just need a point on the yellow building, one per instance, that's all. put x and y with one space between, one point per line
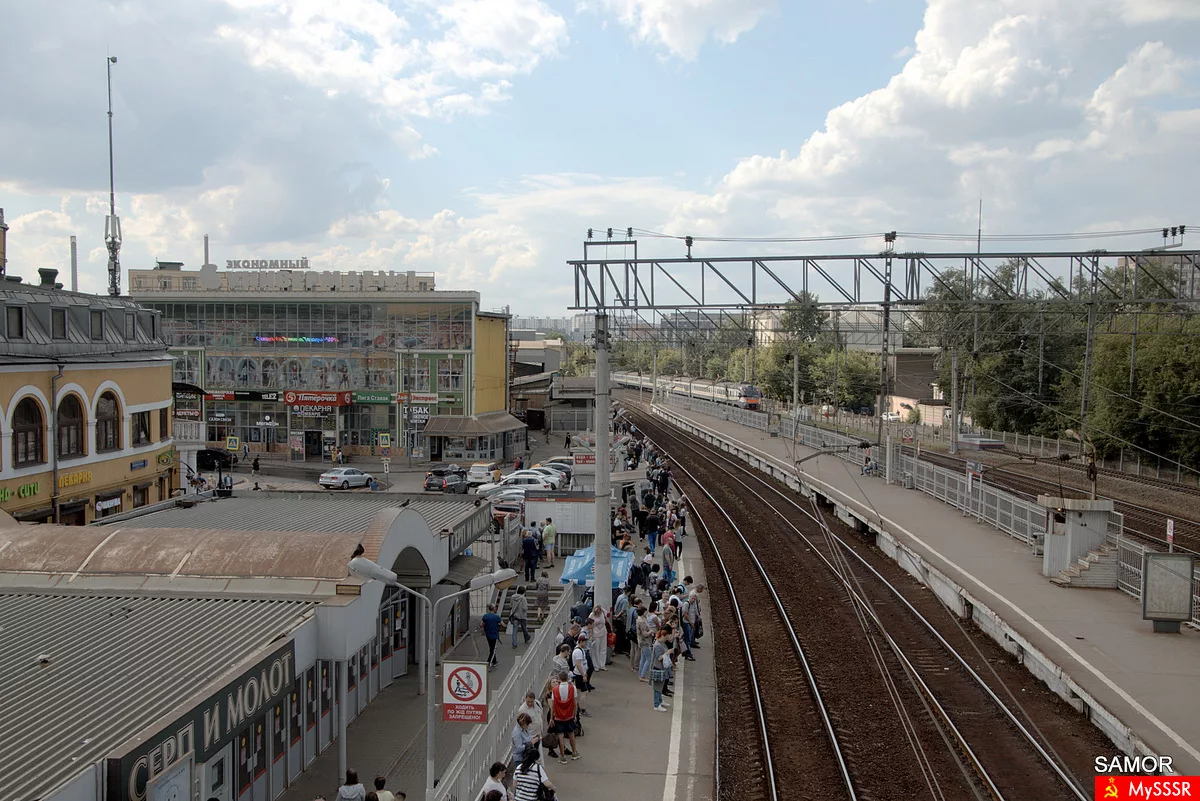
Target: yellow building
85 405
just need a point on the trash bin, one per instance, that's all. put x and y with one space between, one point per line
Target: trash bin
908 481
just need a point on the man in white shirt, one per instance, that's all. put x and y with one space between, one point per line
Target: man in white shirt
495 781
579 670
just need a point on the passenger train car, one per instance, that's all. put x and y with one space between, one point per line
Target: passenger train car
743 396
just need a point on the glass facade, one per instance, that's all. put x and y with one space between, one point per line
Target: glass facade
263 349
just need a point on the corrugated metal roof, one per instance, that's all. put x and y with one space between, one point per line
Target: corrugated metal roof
458 425
303 511
117 664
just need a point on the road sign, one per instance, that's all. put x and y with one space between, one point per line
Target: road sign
1170 533
907 434
976 468
464 692
385 442
386 453
232 443
387 465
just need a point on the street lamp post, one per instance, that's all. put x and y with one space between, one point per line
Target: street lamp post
368 569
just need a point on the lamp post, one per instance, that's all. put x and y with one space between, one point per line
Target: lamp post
364 567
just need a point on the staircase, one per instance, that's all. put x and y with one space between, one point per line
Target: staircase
532 622
1096 569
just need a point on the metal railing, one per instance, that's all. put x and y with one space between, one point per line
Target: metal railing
1019 518
491 742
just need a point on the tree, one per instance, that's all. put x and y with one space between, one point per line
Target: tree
857 374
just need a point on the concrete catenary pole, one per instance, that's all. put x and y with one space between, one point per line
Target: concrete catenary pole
603 469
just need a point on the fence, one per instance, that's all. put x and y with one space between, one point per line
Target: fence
491 742
1131 462
570 420
1015 516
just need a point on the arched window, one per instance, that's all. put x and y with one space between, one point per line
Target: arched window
108 423
70 427
28 431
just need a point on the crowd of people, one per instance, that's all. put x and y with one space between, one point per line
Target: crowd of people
656 620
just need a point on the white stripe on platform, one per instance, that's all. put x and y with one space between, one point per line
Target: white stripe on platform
672 779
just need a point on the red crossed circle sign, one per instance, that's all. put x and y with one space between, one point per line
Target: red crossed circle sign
464 684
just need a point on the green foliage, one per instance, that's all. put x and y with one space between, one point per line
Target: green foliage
857 374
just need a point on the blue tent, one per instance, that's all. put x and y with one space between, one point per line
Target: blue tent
580 567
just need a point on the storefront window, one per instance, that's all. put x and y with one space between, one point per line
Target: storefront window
450 375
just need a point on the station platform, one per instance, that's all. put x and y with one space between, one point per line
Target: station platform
628 749
1090 645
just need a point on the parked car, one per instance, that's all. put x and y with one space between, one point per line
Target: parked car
345 478
208 459
480 473
555 478
449 482
890 417
533 481
566 468
442 468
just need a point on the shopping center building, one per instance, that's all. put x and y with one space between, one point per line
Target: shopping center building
299 362
85 398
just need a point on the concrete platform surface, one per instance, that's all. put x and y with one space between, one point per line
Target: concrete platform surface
628 751
1097 637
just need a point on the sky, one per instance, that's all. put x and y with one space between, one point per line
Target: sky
480 139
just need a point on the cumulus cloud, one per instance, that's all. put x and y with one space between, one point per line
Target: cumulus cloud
681 27
1063 114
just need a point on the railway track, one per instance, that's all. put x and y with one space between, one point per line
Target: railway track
1141 522
911 716
1120 475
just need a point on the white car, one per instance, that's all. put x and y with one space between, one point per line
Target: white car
555 478
344 478
480 473
533 481
890 417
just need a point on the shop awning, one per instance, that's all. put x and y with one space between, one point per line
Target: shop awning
447 425
462 569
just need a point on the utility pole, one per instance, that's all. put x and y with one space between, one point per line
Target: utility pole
1041 348
837 342
1134 337
1089 348
885 312
653 373
795 372
603 544
954 400
112 223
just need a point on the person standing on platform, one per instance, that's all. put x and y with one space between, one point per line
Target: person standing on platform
529 553
380 793
518 615
668 558
598 638
620 614
653 521
523 735
495 781
353 789
490 623
579 672
660 663
549 534
565 705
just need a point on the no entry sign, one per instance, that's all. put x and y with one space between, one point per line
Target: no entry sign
464 692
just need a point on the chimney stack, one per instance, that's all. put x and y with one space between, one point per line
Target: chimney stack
48 275
74 266
3 244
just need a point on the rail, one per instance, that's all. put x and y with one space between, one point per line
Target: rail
490 742
1004 511
860 599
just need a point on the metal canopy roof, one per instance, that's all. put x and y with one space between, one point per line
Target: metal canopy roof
481 425
463 568
323 511
57 719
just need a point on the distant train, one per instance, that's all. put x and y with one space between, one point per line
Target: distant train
743 396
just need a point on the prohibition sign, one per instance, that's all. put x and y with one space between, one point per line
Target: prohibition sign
464 684
464 692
